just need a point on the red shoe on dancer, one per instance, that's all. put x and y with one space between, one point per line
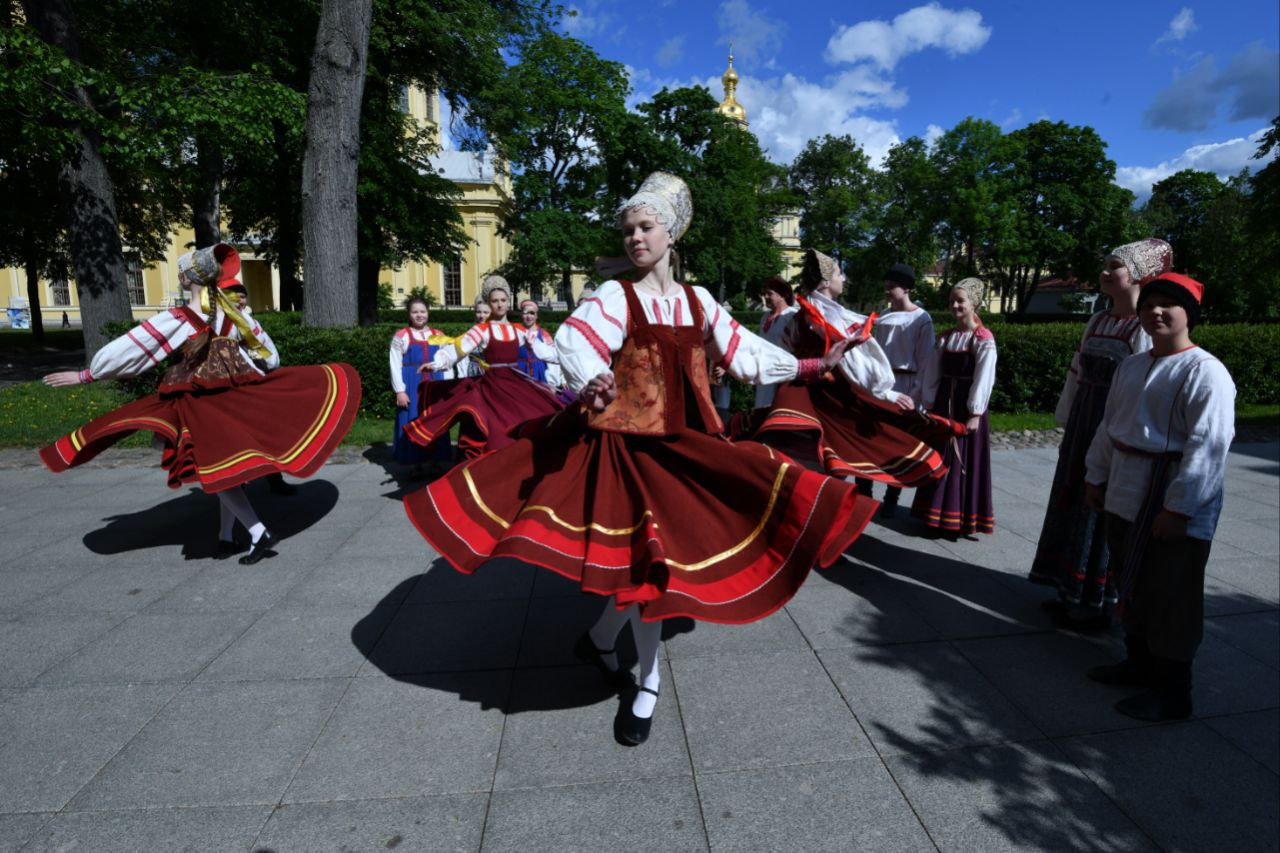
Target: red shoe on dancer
633 493
854 423
223 418
488 407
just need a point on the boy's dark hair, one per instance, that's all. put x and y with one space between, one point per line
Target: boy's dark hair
408 303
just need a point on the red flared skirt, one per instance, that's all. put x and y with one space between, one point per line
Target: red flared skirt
858 435
289 421
489 407
684 525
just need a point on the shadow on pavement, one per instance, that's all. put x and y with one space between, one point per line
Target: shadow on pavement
432 628
1007 656
397 475
173 522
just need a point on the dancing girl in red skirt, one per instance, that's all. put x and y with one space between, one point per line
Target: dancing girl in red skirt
633 493
222 417
490 406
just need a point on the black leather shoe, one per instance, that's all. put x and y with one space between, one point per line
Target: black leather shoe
1156 706
585 650
1123 674
227 549
279 487
630 729
259 549
888 509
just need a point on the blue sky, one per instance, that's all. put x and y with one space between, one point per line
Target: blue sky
1168 85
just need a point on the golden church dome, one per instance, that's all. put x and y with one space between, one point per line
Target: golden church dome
729 107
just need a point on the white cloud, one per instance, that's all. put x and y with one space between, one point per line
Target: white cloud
1012 120
588 19
932 134
672 51
1182 25
885 43
755 36
1224 159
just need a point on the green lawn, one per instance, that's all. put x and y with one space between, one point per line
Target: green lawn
59 340
32 415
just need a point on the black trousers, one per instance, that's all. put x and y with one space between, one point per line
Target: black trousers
1166 606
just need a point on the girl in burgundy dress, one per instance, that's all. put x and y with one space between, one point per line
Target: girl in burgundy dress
222 417
958 382
633 493
489 406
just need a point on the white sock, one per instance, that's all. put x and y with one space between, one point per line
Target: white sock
226 523
648 636
256 531
237 503
604 634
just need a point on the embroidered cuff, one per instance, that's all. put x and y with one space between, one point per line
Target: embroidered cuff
85 376
808 369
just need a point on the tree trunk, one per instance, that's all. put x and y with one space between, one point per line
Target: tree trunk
88 197
287 238
1024 296
566 288
33 298
205 204
332 160
368 291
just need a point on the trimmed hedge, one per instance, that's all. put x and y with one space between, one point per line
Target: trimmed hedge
1033 358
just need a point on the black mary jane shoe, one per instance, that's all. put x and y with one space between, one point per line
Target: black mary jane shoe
227 549
585 650
1156 706
629 729
259 549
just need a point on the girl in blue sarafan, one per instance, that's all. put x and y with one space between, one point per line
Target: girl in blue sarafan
412 347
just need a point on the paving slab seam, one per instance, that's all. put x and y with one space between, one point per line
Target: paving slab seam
1237 748
502 732
688 751
863 729
34 682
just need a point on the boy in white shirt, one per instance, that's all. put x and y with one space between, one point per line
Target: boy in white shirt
1156 467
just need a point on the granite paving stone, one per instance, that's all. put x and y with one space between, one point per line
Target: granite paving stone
34 642
216 744
836 806
66 736
763 710
153 647
1024 796
1256 734
353 691
194 829
559 731
295 643
402 739
1186 790
923 696
646 814
440 823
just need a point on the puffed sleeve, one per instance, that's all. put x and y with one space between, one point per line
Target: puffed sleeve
930 374
922 353
1210 425
984 372
588 338
1062 412
1097 462
272 361
477 337
745 355
866 366
145 345
540 346
398 344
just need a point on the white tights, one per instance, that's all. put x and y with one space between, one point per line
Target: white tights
233 506
648 639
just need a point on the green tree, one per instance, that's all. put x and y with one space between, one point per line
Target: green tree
544 116
907 219
1177 211
1264 213
833 178
973 205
